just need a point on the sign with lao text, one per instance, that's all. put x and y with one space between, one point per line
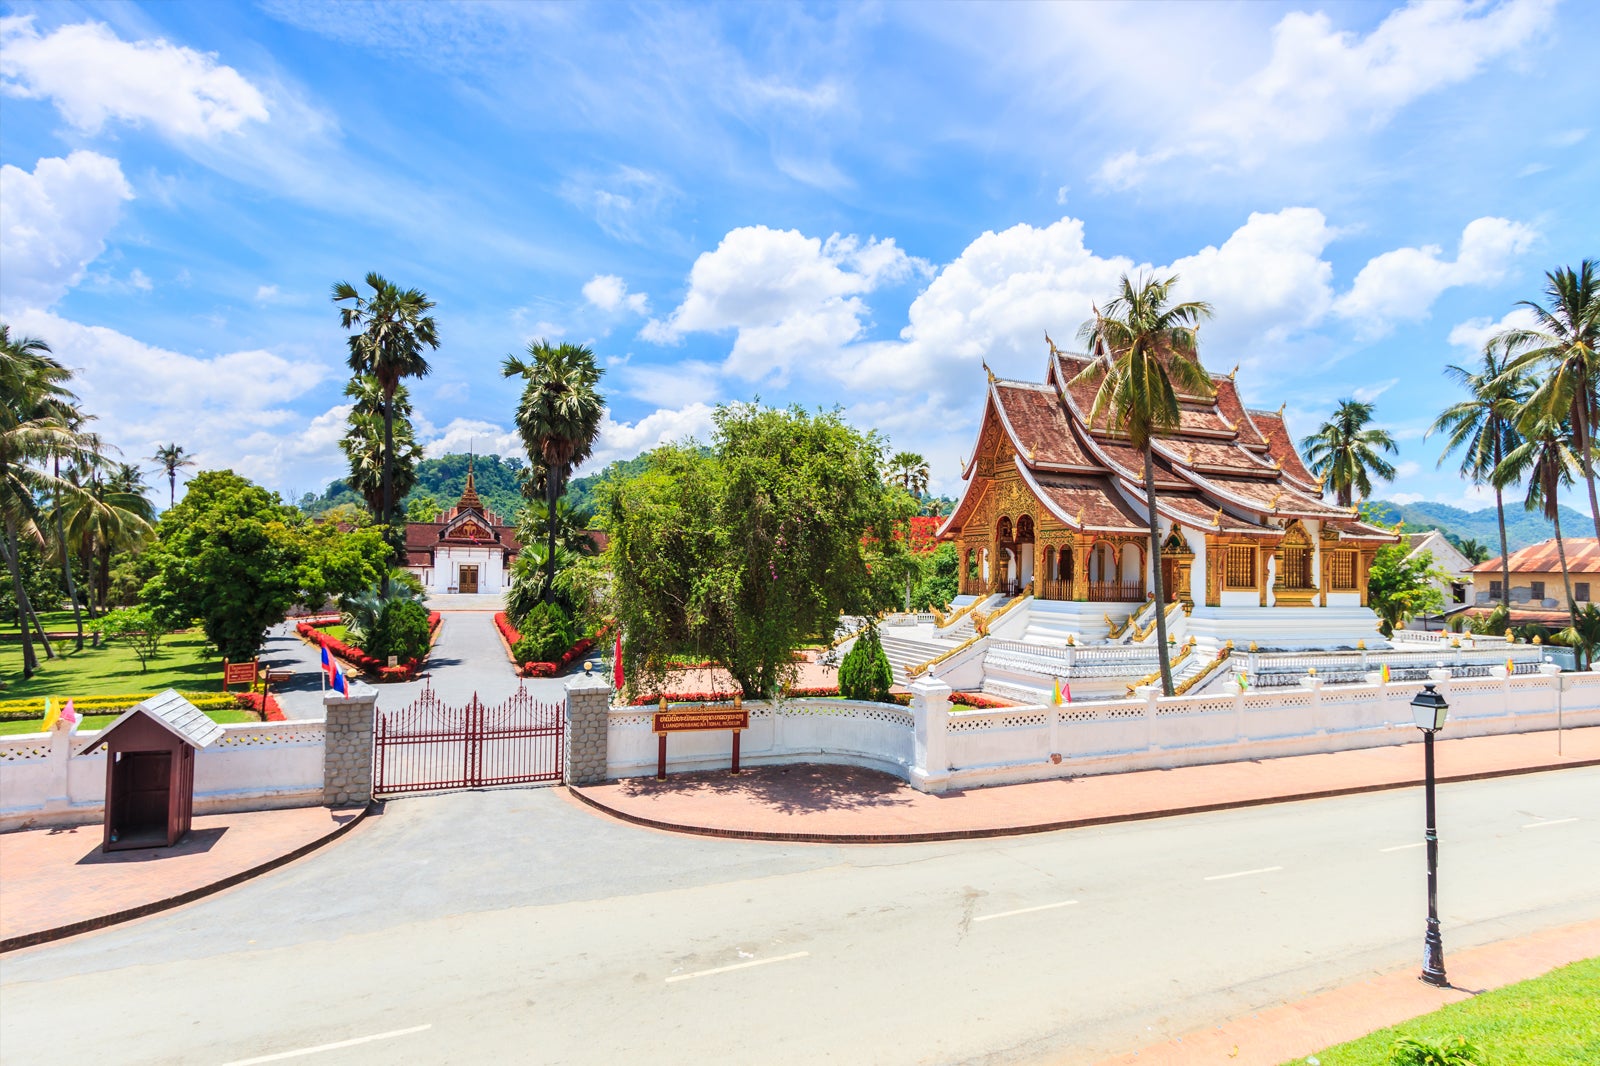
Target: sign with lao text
700 718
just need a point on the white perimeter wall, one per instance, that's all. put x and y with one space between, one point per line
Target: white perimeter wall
251 767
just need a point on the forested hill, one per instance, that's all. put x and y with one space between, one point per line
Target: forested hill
1522 527
494 477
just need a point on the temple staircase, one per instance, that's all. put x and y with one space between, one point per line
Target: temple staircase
910 648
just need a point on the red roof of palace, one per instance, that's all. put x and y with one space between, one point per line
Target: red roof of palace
1583 557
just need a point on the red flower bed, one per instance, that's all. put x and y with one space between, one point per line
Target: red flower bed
349 653
979 702
902 698
264 704
509 633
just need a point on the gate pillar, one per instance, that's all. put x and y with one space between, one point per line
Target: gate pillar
347 746
587 720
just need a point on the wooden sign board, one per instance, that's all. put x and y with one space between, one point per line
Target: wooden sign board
239 673
699 719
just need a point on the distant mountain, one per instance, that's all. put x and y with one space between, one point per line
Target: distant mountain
494 478
1522 527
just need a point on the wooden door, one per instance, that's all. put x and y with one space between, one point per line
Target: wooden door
469 579
1169 580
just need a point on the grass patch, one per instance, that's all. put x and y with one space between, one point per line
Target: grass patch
1552 1020
53 622
182 663
93 723
338 631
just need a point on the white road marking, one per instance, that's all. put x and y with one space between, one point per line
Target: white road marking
1244 873
1026 910
1553 821
329 1047
1403 847
737 966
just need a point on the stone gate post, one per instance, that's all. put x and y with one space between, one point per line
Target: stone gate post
930 761
347 745
587 720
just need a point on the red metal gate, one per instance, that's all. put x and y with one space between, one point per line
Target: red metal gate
429 747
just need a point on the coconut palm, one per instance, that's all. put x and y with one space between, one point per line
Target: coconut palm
910 471
363 442
1546 461
1144 355
394 327
1583 635
1560 348
1345 452
1485 425
171 458
558 419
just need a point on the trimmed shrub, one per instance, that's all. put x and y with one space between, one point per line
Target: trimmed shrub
545 632
865 673
402 630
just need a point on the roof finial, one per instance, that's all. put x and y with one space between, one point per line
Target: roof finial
1282 407
1233 372
986 370
1051 343
1216 519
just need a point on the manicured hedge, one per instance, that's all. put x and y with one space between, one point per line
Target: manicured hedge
509 633
311 630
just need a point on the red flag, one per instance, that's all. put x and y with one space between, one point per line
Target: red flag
616 662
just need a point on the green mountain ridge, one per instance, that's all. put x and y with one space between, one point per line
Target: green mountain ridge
1522 527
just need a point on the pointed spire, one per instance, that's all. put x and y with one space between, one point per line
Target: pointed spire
469 495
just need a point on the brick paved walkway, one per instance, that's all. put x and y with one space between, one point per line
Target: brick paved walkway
57 877
843 804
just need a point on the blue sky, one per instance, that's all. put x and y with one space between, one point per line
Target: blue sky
852 205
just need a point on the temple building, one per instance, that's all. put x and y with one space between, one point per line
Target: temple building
1055 507
468 550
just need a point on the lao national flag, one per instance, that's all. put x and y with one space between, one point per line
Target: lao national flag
327 664
340 685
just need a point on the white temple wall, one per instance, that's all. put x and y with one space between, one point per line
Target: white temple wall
1344 599
448 561
1197 572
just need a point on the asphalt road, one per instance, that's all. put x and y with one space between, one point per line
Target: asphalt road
515 926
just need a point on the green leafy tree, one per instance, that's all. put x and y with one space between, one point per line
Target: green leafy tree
940 581
424 508
393 327
402 630
745 553
171 458
1484 426
1346 452
1144 356
546 633
138 628
1401 586
1583 635
1473 551
865 673
909 471
40 582
1560 352
558 419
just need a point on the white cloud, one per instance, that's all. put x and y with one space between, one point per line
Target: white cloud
1404 497
228 410
1061 194
610 293
671 384
787 296
624 440
628 204
1403 284
1406 469
469 434
93 76
1474 333
266 292
1320 82
139 280
1368 393
53 224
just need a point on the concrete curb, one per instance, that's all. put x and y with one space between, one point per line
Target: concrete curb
89 925
1050 827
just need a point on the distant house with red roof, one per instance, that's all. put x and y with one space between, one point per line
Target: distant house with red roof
1536 584
468 550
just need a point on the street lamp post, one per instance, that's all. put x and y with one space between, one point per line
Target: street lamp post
1430 710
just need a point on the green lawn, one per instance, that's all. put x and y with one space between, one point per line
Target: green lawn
337 631
112 670
53 622
1552 1020
95 722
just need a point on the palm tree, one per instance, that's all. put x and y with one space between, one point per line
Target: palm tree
394 328
910 471
33 395
1345 452
1485 424
1562 346
363 442
171 457
558 419
1545 459
1145 355
1583 635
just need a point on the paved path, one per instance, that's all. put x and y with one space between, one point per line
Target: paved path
468 657
817 802
517 926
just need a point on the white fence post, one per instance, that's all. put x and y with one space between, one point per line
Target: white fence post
930 707
1151 694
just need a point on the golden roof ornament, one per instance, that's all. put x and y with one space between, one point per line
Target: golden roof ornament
1216 519
1080 515
1051 343
1277 464
1191 455
1276 496
1282 407
986 370
1031 455
1234 371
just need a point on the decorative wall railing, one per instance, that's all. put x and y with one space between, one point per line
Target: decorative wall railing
1115 591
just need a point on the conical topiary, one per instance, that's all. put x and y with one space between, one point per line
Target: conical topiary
865 673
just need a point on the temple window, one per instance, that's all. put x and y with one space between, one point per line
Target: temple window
1240 567
1342 571
1295 563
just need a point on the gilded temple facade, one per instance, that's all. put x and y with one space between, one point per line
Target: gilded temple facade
1055 507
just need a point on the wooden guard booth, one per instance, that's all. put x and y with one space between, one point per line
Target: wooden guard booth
150 771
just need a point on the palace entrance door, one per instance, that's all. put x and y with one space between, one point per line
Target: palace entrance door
1169 579
469 579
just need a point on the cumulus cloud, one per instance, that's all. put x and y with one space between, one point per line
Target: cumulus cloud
787 296
1320 82
610 294
1403 284
672 384
93 76
1474 333
470 434
624 440
53 224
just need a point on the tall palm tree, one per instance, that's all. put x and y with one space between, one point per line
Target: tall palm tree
910 471
171 458
1545 459
394 327
1561 345
558 419
363 442
1144 349
1485 424
33 395
1345 451
66 495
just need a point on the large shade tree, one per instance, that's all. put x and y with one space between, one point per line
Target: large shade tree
1347 451
1560 351
393 328
1484 428
558 419
1143 349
